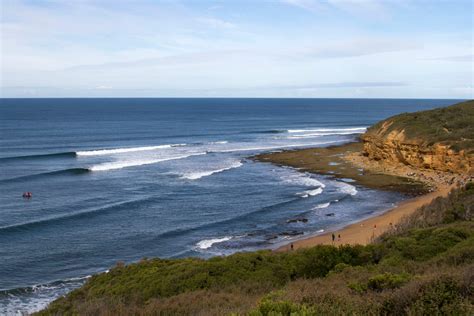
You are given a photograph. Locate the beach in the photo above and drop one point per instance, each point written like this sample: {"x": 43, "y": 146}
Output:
{"x": 347, "y": 162}
{"x": 366, "y": 231}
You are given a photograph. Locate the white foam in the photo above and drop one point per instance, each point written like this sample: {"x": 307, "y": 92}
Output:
{"x": 322, "y": 205}
{"x": 37, "y": 297}
{"x": 282, "y": 146}
{"x": 207, "y": 243}
{"x": 219, "y": 142}
{"x": 320, "y": 231}
{"x": 309, "y": 193}
{"x": 102, "y": 152}
{"x": 133, "y": 163}
{"x": 351, "y": 130}
{"x": 319, "y": 134}
{"x": 347, "y": 188}
{"x": 303, "y": 179}
{"x": 200, "y": 174}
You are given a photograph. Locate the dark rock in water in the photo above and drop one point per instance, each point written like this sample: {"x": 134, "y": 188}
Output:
{"x": 291, "y": 233}
{"x": 330, "y": 214}
{"x": 270, "y": 237}
{"x": 296, "y": 220}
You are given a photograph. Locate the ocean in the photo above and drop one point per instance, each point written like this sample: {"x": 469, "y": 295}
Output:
{"x": 122, "y": 179}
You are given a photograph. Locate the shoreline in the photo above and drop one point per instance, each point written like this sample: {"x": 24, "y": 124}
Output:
{"x": 366, "y": 231}
{"x": 347, "y": 161}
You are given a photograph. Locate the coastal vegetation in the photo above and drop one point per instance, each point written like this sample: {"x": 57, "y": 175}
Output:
{"x": 425, "y": 265}
{"x": 452, "y": 126}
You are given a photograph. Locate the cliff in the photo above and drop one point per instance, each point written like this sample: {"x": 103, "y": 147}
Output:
{"x": 440, "y": 139}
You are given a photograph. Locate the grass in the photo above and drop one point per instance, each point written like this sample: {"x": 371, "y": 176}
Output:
{"x": 425, "y": 266}
{"x": 452, "y": 126}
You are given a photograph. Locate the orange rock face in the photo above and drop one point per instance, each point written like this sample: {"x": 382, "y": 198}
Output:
{"x": 395, "y": 147}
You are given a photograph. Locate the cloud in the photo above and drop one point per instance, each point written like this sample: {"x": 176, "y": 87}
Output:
{"x": 374, "y": 84}
{"x": 461, "y": 58}
{"x": 309, "y": 5}
{"x": 193, "y": 58}
{"x": 373, "y": 8}
{"x": 360, "y": 47}
{"x": 216, "y": 23}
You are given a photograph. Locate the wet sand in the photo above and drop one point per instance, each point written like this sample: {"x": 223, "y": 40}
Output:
{"x": 347, "y": 161}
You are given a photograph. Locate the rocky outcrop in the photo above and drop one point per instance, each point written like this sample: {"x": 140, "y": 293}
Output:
{"x": 384, "y": 142}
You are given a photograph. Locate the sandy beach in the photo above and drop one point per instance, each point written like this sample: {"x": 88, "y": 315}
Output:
{"x": 346, "y": 161}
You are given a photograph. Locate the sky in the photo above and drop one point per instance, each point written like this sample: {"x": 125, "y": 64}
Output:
{"x": 237, "y": 48}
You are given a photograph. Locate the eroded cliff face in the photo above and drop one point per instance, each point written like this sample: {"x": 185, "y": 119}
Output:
{"x": 394, "y": 147}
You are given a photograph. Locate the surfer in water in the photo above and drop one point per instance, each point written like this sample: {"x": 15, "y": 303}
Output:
{"x": 27, "y": 195}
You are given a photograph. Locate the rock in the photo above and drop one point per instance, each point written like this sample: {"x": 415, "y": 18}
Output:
{"x": 296, "y": 220}
{"x": 291, "y": 233}
{"x": 395, "y": 147}
{"x": 330, "y": 214}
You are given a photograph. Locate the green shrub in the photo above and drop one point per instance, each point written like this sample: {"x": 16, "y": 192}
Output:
{"x": 441, "y": 297}
{"x": 358, "y": 287}
{"x": 387, "y": 281}
{"x": 282, "y": 308}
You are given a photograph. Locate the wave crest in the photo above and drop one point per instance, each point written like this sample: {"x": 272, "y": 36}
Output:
{"x": 208, "y": 243}
{"x": 347, "y": 188}
{"x": 309, "y": 193}
{"x": 352, "y": 130}
{"x": 201, "y": 174}
{"x": 322, "y": 205}
{"x": 101, "y": 152}
{"x": 134, "y": 163}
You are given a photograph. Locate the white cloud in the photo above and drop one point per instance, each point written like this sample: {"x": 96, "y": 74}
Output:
{"x": 216, "y": 23}
{"x": 461, "y": 58}
{"x": 360, "y": 47}
{"x": 310, "y": 5}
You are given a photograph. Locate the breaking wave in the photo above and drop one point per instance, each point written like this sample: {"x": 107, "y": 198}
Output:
{"x": 208, "y": 243}
{"x": 352, "y": 130}
{"x": 310, "y": 133}
{"x": 322, "y": 205}
{"x": 346, "y": 188}
{"x": 101, "y": 152}
{"x": 219, "y": 142}
{"x": 31, "y": 299}
{"x": 303, "y": 179}
{"x": 272, "y": 147}
{"x": 309, "y": 193}
{"x": 134, "y": 163}
{"x": 200, "y": 174}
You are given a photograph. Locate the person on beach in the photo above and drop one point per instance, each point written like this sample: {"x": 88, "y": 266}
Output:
{"x": 333, "y": 237}
{"x": 339, "y": 237}
{"x": 291, "y": 246}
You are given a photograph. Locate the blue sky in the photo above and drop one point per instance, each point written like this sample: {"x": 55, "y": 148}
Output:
{"x": 237, "y": 48}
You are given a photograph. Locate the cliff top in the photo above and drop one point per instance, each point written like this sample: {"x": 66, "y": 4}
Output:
{"x": 452, "y": 126}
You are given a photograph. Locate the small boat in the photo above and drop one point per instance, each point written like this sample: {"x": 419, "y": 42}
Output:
{"x": 27, "y": 195}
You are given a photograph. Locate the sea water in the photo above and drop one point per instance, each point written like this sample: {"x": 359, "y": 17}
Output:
{"x": 122, "y": 179}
